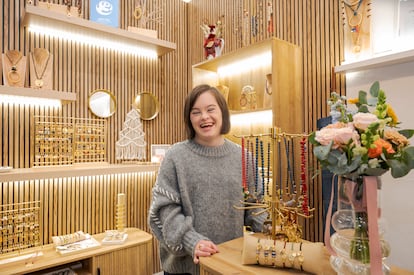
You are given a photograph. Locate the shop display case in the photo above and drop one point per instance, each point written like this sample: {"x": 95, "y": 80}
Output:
{"x": 266, "y": 76}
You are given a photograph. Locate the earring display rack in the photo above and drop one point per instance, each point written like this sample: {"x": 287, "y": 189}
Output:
{"x": 19, "y": 226}
{"x": 284, "y": 194}
{"x": 63, "y": 141}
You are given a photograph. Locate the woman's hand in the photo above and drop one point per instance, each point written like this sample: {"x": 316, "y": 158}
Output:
{"x": 204, "y": 248}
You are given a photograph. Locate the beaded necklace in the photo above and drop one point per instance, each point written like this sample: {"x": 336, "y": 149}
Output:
{"x": 243, "y": 166}
{"x": 256, "y": 178}
{"x": 279, "y": 155}
{"x": 263, "y": 166}
{"x": 304, "y": 187}
{"x": 290, "y": 173}
{"x": 268, "y": 169}
{"x": 354, "y": 22}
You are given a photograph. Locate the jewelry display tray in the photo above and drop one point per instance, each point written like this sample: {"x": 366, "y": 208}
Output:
{"x": 80, "y": 246}
{"x": 107, "y": 240}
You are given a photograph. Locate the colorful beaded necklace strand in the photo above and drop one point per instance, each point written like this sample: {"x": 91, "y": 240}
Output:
{"x": 304, "y": 187}
{"x": 268, "y": 169}
{"x": 263, "y": 166}
{"x": 243, "y": 165}
{"x": 256, "y": 181}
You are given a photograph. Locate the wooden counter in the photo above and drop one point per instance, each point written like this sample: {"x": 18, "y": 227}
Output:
{"x": 228, "y": 261}
{"x": 133, "y": 257}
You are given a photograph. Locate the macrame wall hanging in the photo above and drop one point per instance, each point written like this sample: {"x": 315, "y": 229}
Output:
{"x": 131, "y": 144}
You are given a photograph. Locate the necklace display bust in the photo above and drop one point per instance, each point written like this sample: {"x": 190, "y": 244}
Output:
{"x": 41, "y": 69}
{"x": 14, "y": 68}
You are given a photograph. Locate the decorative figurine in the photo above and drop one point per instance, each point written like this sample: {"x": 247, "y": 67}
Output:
{"x": 213, "y": 41}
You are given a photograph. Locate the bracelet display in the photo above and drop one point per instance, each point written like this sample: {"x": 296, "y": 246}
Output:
{"x": 303, "y": 255}
{"x": 69, "y": 238}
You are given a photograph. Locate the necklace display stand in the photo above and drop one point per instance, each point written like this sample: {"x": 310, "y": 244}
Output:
{"x": 41, "y": 69}
{"x": 14, "y": 68}
{"x": 283, "y": 199}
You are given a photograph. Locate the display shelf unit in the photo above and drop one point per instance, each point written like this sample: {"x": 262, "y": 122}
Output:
{"x": 132, "y": 257}
{"x": 44, "y": 17}
{"x": 250, "y": 66}
{"x": 76, "y": 170}
{"x": 64, "y": 97}
{"x": 377, "y": 62}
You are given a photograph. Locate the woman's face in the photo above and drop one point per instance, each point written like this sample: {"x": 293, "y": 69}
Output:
{"x": 206, "y": 119}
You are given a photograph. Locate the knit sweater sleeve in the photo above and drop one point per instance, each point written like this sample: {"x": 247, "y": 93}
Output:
{"x": 166, "y": 218}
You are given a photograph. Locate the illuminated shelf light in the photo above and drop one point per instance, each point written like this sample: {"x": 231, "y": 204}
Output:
{"x": 247, "y": 64}
{"x": 252, "y": 117}
{"x": 110, "y": 44}
{"x": 27, "y": 101}
{"x": 35, "y": 97}
{"x": 86, "y": 32}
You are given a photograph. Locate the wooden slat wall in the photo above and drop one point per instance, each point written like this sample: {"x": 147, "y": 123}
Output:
{"x": 316, "y": 26}
{"x": 85, "y": 203}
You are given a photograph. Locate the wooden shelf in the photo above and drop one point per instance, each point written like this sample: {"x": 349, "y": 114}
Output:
{"x": 134, "y": 256}
{"x": 64, "y": 97}
{"x": 44, "y": 17}
{"x": 77, "y": 170}
{"x": 232, "y": 57}
{"x": 376, "y": 62}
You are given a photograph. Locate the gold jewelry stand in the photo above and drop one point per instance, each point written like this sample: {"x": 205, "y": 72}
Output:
{"x": 19, "y": 226}
{"x": 283, "y": 207}
{"x": 62, "y": 141}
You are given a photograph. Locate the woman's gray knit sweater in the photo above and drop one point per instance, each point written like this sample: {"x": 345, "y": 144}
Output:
{"x": 193, "y": 199}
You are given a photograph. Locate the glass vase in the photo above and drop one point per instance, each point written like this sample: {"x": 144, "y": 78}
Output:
{"x": 351, "y": 240}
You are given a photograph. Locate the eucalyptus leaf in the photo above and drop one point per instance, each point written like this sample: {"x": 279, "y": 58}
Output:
{"x": 374, "y": 90}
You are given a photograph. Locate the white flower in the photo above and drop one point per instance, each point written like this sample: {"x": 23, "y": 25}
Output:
{"x": 363, "y": 120}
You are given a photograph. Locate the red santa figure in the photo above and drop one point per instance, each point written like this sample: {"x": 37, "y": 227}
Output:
{"x": 213, "y": 43}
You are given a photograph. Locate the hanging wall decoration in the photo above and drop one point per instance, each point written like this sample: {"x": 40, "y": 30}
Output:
{"x": 131, "y": 144}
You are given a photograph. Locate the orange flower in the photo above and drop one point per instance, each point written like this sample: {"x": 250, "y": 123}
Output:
{"x": 377, "y": 151}
{"x": 353, "y": 100}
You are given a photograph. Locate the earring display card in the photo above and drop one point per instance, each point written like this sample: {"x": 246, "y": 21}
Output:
{"x": 105, "y": 12}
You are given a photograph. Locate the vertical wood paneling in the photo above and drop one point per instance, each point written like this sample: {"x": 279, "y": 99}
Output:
{"x": 313, "y": 25}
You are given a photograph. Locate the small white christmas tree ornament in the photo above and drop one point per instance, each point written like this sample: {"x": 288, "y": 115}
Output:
{"x": 131, "y": 144}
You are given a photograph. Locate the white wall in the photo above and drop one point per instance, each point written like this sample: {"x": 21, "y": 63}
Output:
{"x": 398, "y": 194}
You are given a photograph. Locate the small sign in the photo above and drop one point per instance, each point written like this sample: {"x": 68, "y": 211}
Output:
{"x": 105, "y": 12}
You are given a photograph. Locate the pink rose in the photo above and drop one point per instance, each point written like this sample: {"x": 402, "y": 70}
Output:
{"x": 340, "y": 136}
{"x": 363, "y": 120}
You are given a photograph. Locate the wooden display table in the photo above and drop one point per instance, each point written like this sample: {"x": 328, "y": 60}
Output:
{"x": 133, "y": 257}
{"x": 228, "y": 261}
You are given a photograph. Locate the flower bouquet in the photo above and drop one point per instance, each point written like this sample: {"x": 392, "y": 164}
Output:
{"x": 362, "y": 143}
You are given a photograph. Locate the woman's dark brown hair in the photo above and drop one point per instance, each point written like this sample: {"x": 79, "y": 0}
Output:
{"x": 191, "y": 99}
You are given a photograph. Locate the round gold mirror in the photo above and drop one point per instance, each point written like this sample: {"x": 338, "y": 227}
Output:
{"x": 102, "y": 103}
{"x": 147, "y": 105}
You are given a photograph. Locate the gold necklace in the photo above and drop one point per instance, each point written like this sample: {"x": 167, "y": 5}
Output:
{"x": 355, "y": 22}
{"x": 39, "y": 78}
{"x": 13, "y": 75}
